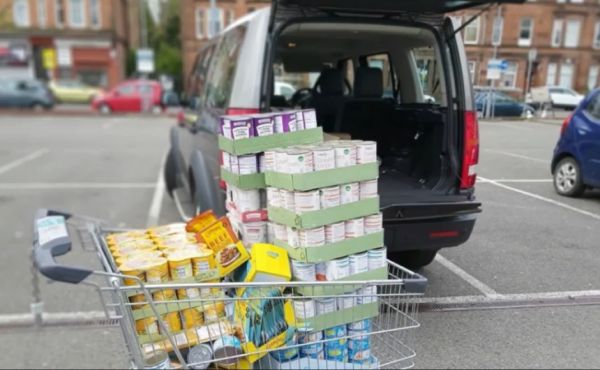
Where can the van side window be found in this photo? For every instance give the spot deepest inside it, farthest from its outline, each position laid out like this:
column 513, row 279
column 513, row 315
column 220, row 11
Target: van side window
column 428, row 69
column 382, row 61
column 593, row 107
column 223, row 68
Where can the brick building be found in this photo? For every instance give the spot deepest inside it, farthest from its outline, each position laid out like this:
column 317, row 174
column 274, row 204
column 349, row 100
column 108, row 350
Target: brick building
column 565, row 33
column 194, row 23
column 85, row 39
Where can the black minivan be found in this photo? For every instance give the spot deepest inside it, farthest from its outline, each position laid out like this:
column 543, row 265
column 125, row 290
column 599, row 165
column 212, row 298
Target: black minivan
column 393, row 71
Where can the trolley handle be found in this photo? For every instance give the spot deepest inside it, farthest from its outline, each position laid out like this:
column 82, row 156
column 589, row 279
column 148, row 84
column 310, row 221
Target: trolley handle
column 51, row 238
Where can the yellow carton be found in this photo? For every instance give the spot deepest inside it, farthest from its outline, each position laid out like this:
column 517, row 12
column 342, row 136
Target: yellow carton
column 268, row 263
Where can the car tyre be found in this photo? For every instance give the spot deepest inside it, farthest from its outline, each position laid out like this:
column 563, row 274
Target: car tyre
column 170, row 173
column 104, row 109
column 414, row 260
column 567, row 178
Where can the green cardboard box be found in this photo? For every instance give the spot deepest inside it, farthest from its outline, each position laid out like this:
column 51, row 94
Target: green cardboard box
column 259, row 144
column 322, row 179
column 326, row 289
column 246, row 182
column 339, row 317
column 308, row 220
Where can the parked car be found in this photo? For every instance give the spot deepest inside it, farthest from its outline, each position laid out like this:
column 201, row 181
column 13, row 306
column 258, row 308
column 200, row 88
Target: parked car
column 503, row 105
column 131, row 96
column 556, row 96
column 284, row 89
column 25, row 93
column 429, row 151
column 73, row 91
column 576, row 161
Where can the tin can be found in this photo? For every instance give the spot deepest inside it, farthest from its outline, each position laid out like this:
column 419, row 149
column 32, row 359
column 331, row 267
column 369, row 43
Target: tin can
column 336, row 348
column 180, row 268
column 367, row 295
column 192, row 317
column 314, row 237
column 214, row 312
column 274, row 197
column 325, row 305
column 289, row 353
column 377, row 258
column 225, row 347
column 359, row 263
column 355, row 228
column 349, row 193
column 226, row 161
column 202, row 262
column 271, row 232
column 309, row 116
column 338, row 268
column 304, row 308
column 236, row 127
column 261, row 163
column 280, row 232
column 345, row 155
column 146, row 326
column 335, row 232
column 299, row 161
column 288, row 199
column 171, row 321
column 321, row 271
column 330, row 197
column 280, row 159
column 305, row 201
column 263, row 124
column 303, row 271
column 323, row 157
column 234, row 164
column 248, row 164
column 368, row 189
column 138, row 301
column 164, row 295
column 285, row 122
column 364, row 325
column 366, row 152
column 254, row 232
column 269, row 160
column 200, row 356
column 135, row 269
column 345, row 302
column 293, row 236
column 359, row 347
column 311, row 349
column 373, row 223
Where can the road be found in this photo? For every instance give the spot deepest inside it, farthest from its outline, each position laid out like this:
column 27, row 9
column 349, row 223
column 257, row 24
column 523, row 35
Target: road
column 528, row 248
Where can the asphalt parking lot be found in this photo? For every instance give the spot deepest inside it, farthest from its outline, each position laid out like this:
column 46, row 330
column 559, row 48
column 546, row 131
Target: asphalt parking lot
column 522, row 292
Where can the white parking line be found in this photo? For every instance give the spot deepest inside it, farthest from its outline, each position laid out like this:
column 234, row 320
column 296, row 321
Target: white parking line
column 16, row 163
column 524, row 181
column 474, row 282
column 75, row 185
column 157, row 198
column 517, row 155
column 544, row 199
column 475, row 299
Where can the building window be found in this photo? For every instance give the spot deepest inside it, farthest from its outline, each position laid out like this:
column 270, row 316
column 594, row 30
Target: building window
column 472, row 31
column 59, row 13
column 95, row 14
column 592, row 81
column 230, row 17
column 218, row 26
column 557, row 30
column 565, row 79
column 526, row 32
column 551, row 74
column 497, row 31
column 21, row 13
column 200, row 23
column 596, row 42
column 76, row 13
column 509, row 77
column 41, row 13
column 572, row 33
column 473, row 71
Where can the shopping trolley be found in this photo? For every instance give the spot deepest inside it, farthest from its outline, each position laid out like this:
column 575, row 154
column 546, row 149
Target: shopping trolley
column 304, row 325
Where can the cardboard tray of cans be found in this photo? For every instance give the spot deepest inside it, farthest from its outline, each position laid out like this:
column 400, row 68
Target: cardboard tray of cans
column 326, row 216
column 323, row 178
column 166, row 307
column 245, row 182
column 327, row 290
column 339, row 317
column 332, row 251
column 308, row 363
column 259, row 144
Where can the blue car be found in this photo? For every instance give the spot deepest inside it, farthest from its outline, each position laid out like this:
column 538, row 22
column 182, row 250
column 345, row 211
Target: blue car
column 504, row 105
column 576, row 161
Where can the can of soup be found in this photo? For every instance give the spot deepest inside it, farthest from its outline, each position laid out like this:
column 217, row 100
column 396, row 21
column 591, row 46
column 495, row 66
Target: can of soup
column 345, row 155
column 263, row 124
column 293, row 236
column 335, row 232
column 310, row 348
column 359, row 347
column 373, row 223
column 280, row 232
column 180, row 267
column 274, row 197
column 366, row 152
column 290, row 352
column 146, row 326
column 192, row 317
column 299, row 161
column 234, row 164
column 325, row 305
column 321, row 271
column 345, row 302
column 338, row 268
column 330, row 197
column 305, row 201
column 367, row 295
column 254, row 232
column 377, row 258
column 304, row 308
column 314, row 237
column 368, row 189
column 336, row 348
column 226, row 161
column 303, row 271
column 237, row 127
column 269, row 160
column 248, row 164
column 323, row 157
column 364, row 325
column 285, row 122
column 246, row 200
column 355, row 228
column 349, row 193
column 309, row 116
column 359, row 263
column 171, row 321
column 287, row 198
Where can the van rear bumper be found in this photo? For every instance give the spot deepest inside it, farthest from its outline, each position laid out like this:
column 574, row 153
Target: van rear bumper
column 429, row 226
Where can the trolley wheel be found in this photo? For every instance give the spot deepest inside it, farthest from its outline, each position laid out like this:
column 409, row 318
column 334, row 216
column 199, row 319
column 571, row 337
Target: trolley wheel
column 414, row 260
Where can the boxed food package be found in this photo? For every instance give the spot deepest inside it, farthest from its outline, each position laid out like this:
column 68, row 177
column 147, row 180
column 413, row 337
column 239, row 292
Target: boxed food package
column 268, row 263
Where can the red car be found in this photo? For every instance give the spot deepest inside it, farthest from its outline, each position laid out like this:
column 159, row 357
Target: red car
column 131, row 96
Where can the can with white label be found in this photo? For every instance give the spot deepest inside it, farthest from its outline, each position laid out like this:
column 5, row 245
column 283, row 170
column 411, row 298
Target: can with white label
column 359, row 347
column 366, row 152
column 323, row 157
column 338, row 268
column 377, row 258
column 270, row 232
column 280, row 160
column 373, row 223
column 330, row 197
column 360, row 325
column 280, row 232
column 355, row 228
column 248, row 164
column 263, row 124
column 310, row 348
column 321, row 271
column 314, row 237
column 304, row 308
column 246, row 200
column 335, row 232
column 261, row 163
column 299, row 161
column 359, row 263
column 345, row 155
column 274, row 197
column 269, row 160
column 345, row 302
column 303, row 271
column 306, row 201
column 293, row 236
column 349, row 193
column 367, row 295
column 254, row 232
column 234, row 165
column 287, row 199
column 310, row 118
column 325, row 305
column 225, row 157
column 368, row 189
column 285, row 122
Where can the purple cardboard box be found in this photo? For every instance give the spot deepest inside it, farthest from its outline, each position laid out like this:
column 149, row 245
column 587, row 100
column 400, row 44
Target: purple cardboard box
column 285, row 122
column 263, row 124
column 237, row 127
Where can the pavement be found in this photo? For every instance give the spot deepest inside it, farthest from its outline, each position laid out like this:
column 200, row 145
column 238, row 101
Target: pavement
column 530, row 259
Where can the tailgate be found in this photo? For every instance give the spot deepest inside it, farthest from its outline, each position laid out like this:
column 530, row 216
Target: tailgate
column 410, row 212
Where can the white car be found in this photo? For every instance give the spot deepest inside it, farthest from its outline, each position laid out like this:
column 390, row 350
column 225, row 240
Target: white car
column 559, row 97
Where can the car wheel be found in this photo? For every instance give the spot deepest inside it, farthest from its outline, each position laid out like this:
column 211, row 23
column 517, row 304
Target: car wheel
column 156, row 109
column 104, row 109
column 37, row 107
column 567, row 178
column 170, row 173
column 414, row 260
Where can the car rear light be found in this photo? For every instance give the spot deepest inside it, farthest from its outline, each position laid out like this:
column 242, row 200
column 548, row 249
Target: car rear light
column 470, row 151
column 240, row 111
column 443, row 234
column 565, row 124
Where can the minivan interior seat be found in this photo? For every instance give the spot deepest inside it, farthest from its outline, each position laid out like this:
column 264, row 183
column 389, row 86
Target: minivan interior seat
column 363, row 116
column 329, row 97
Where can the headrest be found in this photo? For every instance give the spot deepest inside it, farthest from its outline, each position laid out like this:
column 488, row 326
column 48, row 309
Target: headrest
column 331, row 82
column 368, row 83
